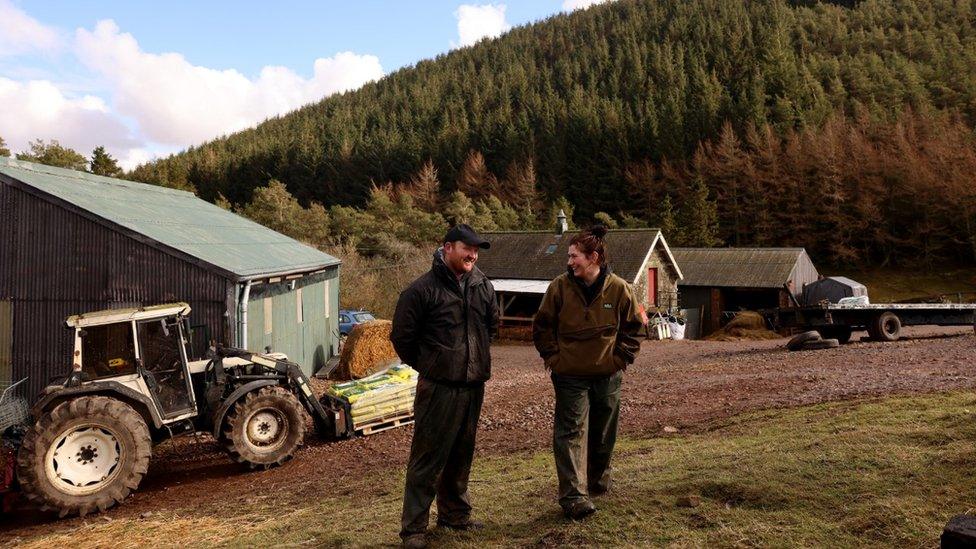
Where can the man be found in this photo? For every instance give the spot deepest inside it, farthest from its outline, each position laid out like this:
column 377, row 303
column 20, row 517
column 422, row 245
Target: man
column 443, row 325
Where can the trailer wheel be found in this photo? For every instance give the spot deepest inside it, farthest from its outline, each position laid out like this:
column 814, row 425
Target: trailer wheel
column 841, row 333
column 264, row 428
column 886, row 327
column 86, row 454
column 798, row 340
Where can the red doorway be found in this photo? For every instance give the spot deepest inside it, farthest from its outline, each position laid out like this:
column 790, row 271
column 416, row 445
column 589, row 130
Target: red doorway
column 652, row 287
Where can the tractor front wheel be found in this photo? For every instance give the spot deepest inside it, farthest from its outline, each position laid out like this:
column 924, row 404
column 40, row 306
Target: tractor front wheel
column 264, row 428
column 86, row 454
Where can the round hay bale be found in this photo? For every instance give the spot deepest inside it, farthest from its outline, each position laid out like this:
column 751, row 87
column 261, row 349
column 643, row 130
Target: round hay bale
column 366, row 350
column 745, row 325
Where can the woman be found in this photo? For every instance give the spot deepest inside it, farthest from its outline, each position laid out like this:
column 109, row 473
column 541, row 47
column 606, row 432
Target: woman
column 586, row 331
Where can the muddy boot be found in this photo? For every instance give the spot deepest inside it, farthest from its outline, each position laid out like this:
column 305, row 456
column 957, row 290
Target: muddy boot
column 415, row 541
column 580, row 510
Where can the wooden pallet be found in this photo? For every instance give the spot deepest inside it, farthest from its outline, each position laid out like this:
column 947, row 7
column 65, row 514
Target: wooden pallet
column 384, row 424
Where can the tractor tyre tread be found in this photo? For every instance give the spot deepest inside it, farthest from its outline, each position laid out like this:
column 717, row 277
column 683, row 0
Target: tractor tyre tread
column 233, row 431
column 132, row 433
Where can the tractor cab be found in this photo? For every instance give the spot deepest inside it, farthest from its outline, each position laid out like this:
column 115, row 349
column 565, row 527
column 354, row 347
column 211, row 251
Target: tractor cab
column 142, row 349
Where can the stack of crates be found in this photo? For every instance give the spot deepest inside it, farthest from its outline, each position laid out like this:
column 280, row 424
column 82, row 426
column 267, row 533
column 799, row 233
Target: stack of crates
column 382, row 400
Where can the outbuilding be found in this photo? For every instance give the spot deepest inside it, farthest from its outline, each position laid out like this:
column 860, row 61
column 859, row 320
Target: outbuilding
column 521, row 264
column 719, row 282
column 73, row 242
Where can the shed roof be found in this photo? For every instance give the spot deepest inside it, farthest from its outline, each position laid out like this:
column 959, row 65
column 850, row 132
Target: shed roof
column 177, row 220
column 738, row 267
column 541, row 255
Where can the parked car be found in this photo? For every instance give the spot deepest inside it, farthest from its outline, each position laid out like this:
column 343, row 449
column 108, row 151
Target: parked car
column 349, row 318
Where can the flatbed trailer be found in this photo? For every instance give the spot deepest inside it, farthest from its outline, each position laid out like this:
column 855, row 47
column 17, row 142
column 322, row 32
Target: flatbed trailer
column 883, row 321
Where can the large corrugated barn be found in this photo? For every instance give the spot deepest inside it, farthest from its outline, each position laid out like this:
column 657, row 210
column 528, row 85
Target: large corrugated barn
column 73, row 242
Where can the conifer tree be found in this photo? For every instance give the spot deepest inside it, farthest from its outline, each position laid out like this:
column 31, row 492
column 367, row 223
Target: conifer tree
column 102, row 163
column 459, row 209
column 700, row 218
column 475, row 179
column 425, row 187
column 4, row 151
column 667, row 221
column 605, row 219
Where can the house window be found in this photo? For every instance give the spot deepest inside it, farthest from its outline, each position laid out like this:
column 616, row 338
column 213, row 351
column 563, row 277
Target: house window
column 298, row 305
column 268, row 322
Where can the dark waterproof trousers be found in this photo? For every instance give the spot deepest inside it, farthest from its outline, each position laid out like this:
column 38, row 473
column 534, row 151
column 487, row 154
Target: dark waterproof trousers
column 584, row 433
column 446, row 420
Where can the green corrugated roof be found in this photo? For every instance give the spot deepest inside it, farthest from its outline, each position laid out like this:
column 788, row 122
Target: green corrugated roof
column 176, row 219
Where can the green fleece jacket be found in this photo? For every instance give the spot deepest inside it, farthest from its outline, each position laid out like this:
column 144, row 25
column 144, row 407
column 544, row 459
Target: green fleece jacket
column 587, row 340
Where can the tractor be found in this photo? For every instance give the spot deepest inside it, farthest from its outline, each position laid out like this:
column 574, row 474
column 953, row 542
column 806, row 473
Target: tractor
column 131, row 386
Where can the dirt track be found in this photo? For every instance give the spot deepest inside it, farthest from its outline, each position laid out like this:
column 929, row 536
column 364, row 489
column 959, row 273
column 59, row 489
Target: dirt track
column 682, row 384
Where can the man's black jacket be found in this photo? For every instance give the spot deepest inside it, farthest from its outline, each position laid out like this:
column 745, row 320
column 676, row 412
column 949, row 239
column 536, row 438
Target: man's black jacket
column 442, row 327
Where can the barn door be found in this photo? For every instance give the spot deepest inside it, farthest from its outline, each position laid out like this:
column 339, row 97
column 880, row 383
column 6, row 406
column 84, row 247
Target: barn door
column 652, row 286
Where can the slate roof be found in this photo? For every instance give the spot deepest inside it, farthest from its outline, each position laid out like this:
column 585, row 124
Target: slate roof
column 737, row 267
column 541, row 255
column 177, row 220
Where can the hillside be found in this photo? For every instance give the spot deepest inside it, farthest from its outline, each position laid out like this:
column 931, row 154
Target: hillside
column 620, row 105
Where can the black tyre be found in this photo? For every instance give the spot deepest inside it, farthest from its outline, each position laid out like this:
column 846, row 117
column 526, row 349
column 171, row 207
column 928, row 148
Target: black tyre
column 820, row 344
column 841, row 333
column 84, row 455
column 798, row 340
column 886, row 327
column 264, row 428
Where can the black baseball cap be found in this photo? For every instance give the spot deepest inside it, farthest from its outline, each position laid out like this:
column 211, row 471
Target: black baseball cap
column 466, row 234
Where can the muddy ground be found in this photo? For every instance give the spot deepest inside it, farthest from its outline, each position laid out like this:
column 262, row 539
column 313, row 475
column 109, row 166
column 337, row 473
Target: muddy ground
column 680, row 384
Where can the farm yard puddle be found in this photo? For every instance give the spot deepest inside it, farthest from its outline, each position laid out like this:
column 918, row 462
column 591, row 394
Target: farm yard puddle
column 683, row 384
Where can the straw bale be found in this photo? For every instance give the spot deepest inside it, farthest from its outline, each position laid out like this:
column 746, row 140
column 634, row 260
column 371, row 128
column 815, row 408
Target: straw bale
column 367, row 350
column 515, row 333
column 746, row 325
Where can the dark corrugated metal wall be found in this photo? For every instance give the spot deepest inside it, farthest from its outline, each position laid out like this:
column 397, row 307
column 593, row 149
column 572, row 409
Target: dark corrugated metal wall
column 55, row 263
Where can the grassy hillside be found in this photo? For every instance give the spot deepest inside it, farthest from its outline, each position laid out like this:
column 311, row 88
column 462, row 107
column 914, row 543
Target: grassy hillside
column 841, row 129
column 891, row 285
column 853, row 474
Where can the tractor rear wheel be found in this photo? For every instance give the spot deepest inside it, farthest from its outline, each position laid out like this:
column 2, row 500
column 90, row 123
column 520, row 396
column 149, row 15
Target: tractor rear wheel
column 84, row 455
column 264, row 428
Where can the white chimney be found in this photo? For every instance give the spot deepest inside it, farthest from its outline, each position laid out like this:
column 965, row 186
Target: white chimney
column 561, row 225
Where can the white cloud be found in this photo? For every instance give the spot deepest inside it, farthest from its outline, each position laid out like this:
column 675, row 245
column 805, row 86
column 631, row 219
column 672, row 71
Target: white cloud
column 477, row 22
column 39, row 110
column 175, row 102
column 571, row 5
column 21, row 33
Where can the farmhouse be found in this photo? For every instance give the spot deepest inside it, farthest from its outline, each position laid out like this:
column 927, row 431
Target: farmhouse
column 521, row 264
column 721, row 281
column 72, row 242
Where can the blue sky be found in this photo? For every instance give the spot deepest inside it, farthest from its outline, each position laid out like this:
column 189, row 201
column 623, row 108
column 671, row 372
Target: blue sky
column 147, row 79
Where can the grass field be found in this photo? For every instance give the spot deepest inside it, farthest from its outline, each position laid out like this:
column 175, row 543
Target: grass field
column 853, row 474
